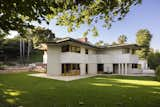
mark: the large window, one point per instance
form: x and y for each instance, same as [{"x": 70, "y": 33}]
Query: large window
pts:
[
  {"x": 68, "y": 48},
  {"x": 75, "y": 49},
  {"x": 126, "y": 51},
  {"x": 70, "y": 69},
  {"x": 65, "y": 48}
]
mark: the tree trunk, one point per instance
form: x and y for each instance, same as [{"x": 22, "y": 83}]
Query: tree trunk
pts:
[
  {"x": 20, "y": 50},
  {"x": 23, "y": 52},
  {"x": 29, "y": 50}
]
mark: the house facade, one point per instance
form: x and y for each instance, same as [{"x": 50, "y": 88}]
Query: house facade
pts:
[{"x": 68, "y": 56}]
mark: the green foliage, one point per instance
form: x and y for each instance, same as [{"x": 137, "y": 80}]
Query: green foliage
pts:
[
  {"x": 38, "y": 35},
  {"x": 114, "y": 43},
  {"x": 36, "y": 56},
  {"x": 158, "y": 73},
  {"x": 154, "y": 60},
  {"x": 143, "y": 39},
  {"x": 99, "y": 43},
  {"x": 9, "y": 49},
  {"x": 17, "y": 14},
  {"x": 122, "y": 39}
]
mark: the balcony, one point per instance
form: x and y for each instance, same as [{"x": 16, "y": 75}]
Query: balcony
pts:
[
  {"x": 122, "y": 58},
  {"x": 71, "y": 57}
]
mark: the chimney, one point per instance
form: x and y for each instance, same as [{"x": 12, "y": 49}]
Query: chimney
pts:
[{"x": 83, "y": 39}]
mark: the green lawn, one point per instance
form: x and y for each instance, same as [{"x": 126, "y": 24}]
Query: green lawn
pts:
[{"x": 102, "y": 91}]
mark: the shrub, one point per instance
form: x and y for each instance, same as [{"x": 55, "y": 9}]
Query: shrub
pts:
[{"x": 158, "y": 73}]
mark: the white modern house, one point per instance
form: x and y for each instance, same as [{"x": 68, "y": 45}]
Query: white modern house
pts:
[{"x": 68, "y": 56}]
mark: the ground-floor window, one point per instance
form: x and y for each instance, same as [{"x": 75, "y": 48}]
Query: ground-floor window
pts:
[
  {"x": 86, "y": 68},
  {"x": 134, "y": 65},
  {"x": 70, "y": 69}
]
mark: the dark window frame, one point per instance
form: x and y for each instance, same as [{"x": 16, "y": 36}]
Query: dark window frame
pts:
[
  {"x": 134, "y": 65},
  {"x": 65, "y": 48},
  {"x": 86, "y": 51}
]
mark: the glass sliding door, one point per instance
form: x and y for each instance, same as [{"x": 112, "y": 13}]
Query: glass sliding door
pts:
[{"x": 70, "y": 69}]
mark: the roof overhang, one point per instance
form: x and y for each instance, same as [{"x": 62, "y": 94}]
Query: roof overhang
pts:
[{"x": 67, "y": 40}]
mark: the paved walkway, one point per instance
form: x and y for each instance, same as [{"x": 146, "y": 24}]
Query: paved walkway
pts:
[
  {"x": 71, "y": 78},
  {"x": 62, "y": 78}
]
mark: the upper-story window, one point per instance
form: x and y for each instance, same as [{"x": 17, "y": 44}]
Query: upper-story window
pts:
[
  {"x": 86, "y": 51},
  {"x": 68, "y": 48},
  {"x": 125, "y": 51},
  {"x": 75, "y": 49},
  {"x": 133, "y": 51},
  {"x": 65, "y": 48}
]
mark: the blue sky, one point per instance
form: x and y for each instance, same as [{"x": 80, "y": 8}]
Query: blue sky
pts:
[{"x": 146, "y": 15}]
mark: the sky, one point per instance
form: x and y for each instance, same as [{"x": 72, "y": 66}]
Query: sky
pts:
[{"x": 144, "y": 16}]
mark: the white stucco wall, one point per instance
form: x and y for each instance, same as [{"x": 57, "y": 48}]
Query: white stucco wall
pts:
[
  {"x": 133, "y": 70},
  {"x": 110, "y": 51},
  {"x": 108, "y": 67},
  {"x": 82, "y": 69},
  {"x": 91, "y": 52},
  {"x": 144, "y": 64},
  {"x": 70, "y": 57},
  {"x": 82, "y": 50},
  {"x": 92, "y": 68},
  {"x": 53, "y": 61},
  {"x": 45, "y": 57}
]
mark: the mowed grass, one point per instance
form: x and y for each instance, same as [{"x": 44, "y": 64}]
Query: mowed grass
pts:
[{"x": 21, "y": 90}]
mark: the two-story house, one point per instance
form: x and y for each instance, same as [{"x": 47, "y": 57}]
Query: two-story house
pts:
[{"x": 68, "y": 56}]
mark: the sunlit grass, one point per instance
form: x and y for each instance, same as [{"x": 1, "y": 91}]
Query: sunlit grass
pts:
[
  {"x": 101, "y": 84},
  {"x": 11, "y": 100},
  {"x": 138, "y": 82},
  {"x": 12, "y": 92},
  {"x": 102, "y": 91}
]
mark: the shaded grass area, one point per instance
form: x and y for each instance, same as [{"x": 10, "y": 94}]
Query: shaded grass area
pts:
[{"x": 19, "y": 89}]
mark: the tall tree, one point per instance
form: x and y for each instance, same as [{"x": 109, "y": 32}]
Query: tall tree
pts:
[
  {"x": 38, "y": 35},
  {"x": 34, "y": 37},
  {"x": 154, "y": 59},
  {"x": 122, "y": 39},
  {"x": 17, "y": 14},
  {"x": 143, "y": 39}
]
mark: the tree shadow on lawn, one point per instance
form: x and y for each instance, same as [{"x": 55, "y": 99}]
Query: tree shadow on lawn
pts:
[{"x": 9, "y": 97}]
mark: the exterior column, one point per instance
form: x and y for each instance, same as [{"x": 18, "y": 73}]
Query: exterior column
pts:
[
  {"x": 82, "y": 69},
  {"x": 122, "y": 71},
  {"x": 126, "y": 69},
  {"x": 119, "y": 68}
]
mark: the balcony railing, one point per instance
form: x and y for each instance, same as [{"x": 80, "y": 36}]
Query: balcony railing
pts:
[{"x": 70, "y": 57}]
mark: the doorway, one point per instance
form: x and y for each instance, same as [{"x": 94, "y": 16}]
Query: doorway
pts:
[
  {"x": 100, "y": 68},
  {"x": 115, "y": 68}
]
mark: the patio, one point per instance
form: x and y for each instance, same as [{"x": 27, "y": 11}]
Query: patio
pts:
[{"x": 62, "y": 78}]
